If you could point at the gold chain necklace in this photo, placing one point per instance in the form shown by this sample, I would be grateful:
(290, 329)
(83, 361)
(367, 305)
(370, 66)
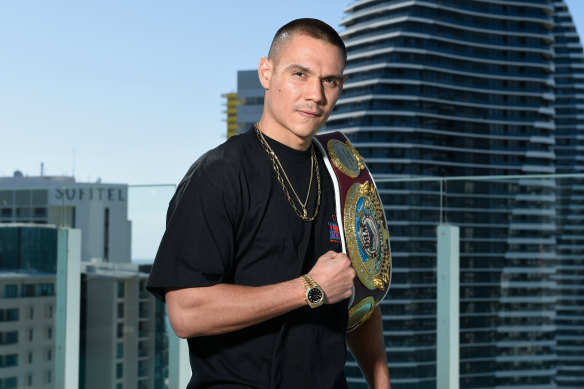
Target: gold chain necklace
(278, 167)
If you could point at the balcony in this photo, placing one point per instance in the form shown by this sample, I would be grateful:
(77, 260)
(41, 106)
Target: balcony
(521, 263)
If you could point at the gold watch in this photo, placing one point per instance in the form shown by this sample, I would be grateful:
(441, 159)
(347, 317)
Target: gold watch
(314, 293)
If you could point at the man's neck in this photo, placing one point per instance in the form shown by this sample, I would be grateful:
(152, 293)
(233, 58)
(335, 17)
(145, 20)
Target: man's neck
(285, 137)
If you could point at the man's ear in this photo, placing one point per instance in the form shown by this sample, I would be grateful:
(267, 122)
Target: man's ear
(265, 71)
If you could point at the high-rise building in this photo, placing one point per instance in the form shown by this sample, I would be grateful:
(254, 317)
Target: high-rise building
(250, 95)
(569, 87)
(27, 330)
(474, 88)
(231, 113)
(245, 107)
(98, 209)
(118, 341)
(118, 331)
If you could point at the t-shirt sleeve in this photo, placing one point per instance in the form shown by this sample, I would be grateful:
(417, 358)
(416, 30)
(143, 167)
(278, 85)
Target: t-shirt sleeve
(198, 245)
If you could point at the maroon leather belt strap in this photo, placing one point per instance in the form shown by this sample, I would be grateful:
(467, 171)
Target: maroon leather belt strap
(362, 224)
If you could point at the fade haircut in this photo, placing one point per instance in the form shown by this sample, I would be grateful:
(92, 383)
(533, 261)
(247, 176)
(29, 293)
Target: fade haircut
(306, 26)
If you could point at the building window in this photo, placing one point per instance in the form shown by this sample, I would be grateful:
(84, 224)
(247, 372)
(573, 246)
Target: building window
(10, 291)
(50, 333)
(6, 198)
(30, 335)
(121, 289)
(28, 290)
(73, 216)
(143, 329)
(143, 311)
(38, 290)
(142, 369)
(120, 350)
(120, 310)
(47, 289)
(10, 314)
(120, 330)
(49, 376)
(9, 337)
(9, 383)
(23, 197)
(39, 197)
(29, 379)
(39, 213)
(106, 235)
(119, 370)
(30, 313)
(30, 357)
(49, 355)
(8, 360)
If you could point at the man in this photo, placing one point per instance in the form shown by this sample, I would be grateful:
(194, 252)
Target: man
(247, 253)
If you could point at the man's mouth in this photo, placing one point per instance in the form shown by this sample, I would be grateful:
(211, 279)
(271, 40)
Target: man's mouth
(309, 113)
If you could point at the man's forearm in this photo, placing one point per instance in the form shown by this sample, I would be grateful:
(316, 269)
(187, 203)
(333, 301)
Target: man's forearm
(224, 307)
(367, 345)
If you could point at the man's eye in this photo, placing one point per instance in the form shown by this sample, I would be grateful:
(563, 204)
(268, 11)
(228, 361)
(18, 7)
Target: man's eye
(299, 74)
(331, 82)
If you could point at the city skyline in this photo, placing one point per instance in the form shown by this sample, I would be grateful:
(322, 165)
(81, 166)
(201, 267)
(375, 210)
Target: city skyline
(130, 93)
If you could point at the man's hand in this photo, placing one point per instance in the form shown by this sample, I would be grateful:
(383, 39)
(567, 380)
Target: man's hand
(334, 274)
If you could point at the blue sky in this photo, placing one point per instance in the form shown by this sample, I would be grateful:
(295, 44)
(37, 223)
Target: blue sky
(130, 91)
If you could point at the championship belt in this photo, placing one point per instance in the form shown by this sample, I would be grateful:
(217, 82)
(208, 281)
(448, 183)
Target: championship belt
(362, 224)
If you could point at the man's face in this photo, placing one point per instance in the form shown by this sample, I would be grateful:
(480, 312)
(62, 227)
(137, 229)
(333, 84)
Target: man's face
(303, 83)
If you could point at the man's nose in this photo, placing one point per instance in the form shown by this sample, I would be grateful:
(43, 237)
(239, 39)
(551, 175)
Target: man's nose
(315, 91)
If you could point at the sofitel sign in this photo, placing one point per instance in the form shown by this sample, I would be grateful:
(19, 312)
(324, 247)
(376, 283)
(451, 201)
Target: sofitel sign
(108, 194)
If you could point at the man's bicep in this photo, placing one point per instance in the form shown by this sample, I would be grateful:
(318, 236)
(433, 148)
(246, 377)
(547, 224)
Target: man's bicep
(202, 230)
(198, 245)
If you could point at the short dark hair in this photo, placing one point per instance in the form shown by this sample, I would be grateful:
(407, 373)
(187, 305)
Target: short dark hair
(307, 26)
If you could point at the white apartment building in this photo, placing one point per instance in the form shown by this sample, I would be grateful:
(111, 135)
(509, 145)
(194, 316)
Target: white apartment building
(99, 210)
(27, 332)
(120, 327)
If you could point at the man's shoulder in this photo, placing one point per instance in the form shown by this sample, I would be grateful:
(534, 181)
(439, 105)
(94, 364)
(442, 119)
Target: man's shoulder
(222, 168)
(227, 159)
(217, 174)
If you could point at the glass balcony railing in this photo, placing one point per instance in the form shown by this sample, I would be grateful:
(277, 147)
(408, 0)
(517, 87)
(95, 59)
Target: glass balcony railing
(521, 253)
(521, 269)
(147, 206)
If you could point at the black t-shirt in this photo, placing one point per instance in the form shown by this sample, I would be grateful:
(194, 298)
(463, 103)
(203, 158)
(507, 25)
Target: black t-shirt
(230, 222)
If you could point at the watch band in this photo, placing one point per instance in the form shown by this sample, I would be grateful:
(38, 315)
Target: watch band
(312, 289)
(308, 281)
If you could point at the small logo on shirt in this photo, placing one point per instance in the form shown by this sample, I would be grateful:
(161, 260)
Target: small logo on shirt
(334, 233)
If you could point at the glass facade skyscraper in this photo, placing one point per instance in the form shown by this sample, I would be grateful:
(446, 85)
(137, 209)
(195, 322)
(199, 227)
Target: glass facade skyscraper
(474, 88)
(569, 77)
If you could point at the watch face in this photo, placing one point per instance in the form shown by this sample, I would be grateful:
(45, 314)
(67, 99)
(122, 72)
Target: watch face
(314, 295)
